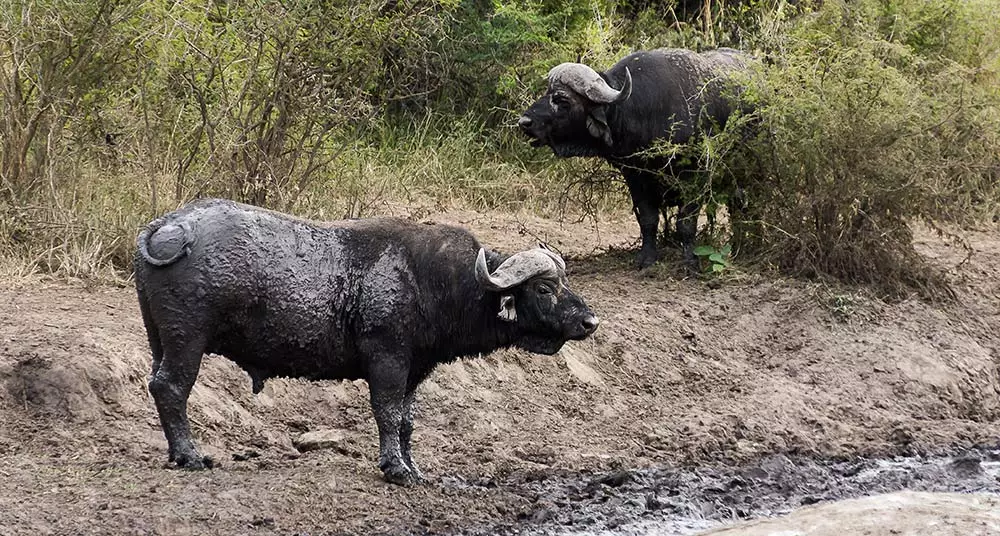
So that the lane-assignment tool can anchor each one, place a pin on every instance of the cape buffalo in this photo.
(663, 94)
(381, 299)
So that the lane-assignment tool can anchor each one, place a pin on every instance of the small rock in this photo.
(267, 522)
(541, 515)
(901, 436)
(298, 425)
(615, 479)
(777, 465)
(966, 467)
(737, 483)
(716, 488)
(581, 370)
(246, 455)
(755, 473)
(320, 439)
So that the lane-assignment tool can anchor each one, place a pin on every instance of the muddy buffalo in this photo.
(381, 299)
(663, 94)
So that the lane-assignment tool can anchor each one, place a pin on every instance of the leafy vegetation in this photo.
(715, 260)
(866, 116)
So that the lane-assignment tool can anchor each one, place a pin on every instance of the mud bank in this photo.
(709, 381)
(687, 501)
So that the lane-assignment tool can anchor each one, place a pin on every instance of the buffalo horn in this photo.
(585, 81)
(555, 256)
(517, 269)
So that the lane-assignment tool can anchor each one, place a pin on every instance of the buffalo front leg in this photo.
(646, 196)
(406, 434)
(387, 380)
(170, 384)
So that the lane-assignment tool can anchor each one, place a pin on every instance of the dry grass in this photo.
(84, 227)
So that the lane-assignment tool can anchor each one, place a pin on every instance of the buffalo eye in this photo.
(544, 289)
(559, 100)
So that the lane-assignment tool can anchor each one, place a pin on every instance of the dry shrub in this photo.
(862, 128)
(869, 115)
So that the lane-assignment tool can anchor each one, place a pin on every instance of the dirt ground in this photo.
(682, 374)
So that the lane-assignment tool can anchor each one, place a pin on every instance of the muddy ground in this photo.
(695, 403)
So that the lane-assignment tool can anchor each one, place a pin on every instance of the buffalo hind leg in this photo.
(152, 334)
(406, 433)
(687, 230)
(737, 207)
(387, 379)
(170, 384)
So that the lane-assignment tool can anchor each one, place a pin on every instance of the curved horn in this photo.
(517, 269)
(555, 256)
(626, 91)
(585, 81)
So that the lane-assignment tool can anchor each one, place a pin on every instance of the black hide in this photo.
(381, 299)
(675, 95)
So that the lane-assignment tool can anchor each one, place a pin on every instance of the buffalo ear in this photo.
(597, 125)
(507, 311)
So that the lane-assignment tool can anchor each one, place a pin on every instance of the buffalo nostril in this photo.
(590, 323)
(524, 121)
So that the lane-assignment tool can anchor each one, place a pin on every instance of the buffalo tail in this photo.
(143, 243)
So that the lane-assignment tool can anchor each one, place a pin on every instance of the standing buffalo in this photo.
(381, 299)
(664, 94)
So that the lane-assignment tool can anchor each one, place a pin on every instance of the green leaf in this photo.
(716, 268)
(717, 258)
(701, 251)
(727, 249)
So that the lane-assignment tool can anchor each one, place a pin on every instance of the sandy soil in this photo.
(681, 373)
(903, 513)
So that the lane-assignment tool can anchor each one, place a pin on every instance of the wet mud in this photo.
(682, 501)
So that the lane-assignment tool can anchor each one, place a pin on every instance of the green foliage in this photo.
(715, 260)
(868, 115)
(504, 50)
(868, 126)
(54, 58)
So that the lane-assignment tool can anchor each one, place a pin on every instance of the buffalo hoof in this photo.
(195, 462)
(691, 263)
(401, 475)
(646, 258)
(418, 477)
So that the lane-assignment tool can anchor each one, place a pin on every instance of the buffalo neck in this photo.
(470, 324)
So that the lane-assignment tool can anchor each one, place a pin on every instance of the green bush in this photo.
(871, 116)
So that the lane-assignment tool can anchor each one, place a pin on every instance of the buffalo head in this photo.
(535, 298)
(571, 117)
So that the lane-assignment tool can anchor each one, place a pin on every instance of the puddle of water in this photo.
(679, 502)
(646, 528)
